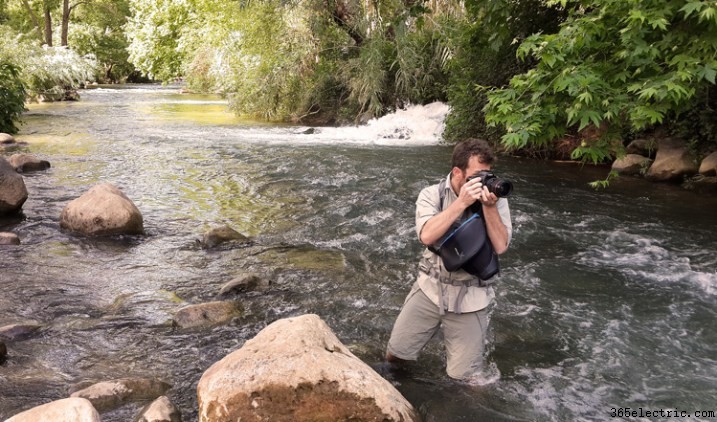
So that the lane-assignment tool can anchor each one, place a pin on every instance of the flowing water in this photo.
(607, 300)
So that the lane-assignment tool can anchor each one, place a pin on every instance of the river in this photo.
(607, 300)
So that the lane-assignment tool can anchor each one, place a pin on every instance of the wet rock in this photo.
(631, 165)
(245, 282)
(108, 395)
(19, 331)
(219, 235)
(6, 138)
(297, 370)
(26, 163)
(103, 210)
(65, 410)
(204, 314)
(3, 352)
(160, 410)
(309, 131)
(673, 162)
(7, 238)
(13, 192)
(708, 167)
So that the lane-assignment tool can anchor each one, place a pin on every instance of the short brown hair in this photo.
(464, 150)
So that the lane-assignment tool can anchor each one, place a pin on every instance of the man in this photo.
(457, 301)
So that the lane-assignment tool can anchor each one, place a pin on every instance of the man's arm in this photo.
(439, 224)
(497, 232)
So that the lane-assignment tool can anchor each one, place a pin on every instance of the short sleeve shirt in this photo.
(476, 298)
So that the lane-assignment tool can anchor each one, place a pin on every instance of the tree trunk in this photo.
(65, 21)
(48, 26)
(34, 18)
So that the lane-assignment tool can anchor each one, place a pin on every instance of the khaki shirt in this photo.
(476, 298)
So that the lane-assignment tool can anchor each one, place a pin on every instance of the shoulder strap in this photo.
(441, 193)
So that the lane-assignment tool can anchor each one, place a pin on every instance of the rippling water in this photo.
(607, 300)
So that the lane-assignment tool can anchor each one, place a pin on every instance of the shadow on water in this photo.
(605, 300)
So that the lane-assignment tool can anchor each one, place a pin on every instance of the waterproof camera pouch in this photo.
(468, 247)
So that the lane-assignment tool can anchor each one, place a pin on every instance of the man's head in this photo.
(471, 147)
(470, 157)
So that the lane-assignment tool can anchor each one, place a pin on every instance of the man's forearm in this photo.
(497, 232)
(439, 224)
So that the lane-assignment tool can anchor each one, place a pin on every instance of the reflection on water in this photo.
(605, 300)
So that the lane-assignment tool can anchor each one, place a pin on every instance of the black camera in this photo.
(500, 187)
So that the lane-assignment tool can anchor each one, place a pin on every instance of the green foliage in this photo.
(613, 65)
(485, 55)
(12, 96)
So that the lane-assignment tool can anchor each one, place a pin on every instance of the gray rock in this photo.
(296, 369)
(13, 192)
(65, 410)
(160, 410)
(708, 167)
(19, 331)
(26, 163)
(205, 314)
(108, 395)
(103, 210)
(219, 235)
(631, 165)
(7, 238)
(245, 282)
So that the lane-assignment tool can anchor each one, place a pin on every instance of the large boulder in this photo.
(297, 370)
(25, 163)
(673, 162)
(708, 167)
(642, 146)
(65, 410)
(631, 165)
(103, 210)
(108, 395)
(13, 192)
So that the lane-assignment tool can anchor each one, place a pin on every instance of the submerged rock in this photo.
(65, 410)
(160, 410)
(19, 331)
(108, 395)
(245, 282)
(13, 192)
(219, 235)
(6, 138)
(297, 370)
(7, 238)
(26, 163)
(210, 313)
(3, 352)
(103, 210)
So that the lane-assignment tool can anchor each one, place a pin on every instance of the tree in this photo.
(614, 65)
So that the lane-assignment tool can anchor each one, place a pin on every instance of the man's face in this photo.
(474, 166)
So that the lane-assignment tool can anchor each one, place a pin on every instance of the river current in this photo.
(607, 300)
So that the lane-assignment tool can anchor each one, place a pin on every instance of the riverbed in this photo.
(606, 300)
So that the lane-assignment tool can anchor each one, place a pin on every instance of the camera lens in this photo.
(501, 187)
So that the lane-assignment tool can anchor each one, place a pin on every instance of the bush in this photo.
(12, 97)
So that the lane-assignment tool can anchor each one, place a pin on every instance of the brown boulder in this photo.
(296, 369)
(672, 163)
(13, 192)
(204, 314)
(108, 395)
(7, 238)
(219, 235)
(708, 167)
(631, 165)
(65, 410)
(160, 410)
(103, 210)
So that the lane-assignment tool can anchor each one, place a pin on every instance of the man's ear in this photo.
(456, 173)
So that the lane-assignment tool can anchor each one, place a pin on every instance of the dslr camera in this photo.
(500, 187)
